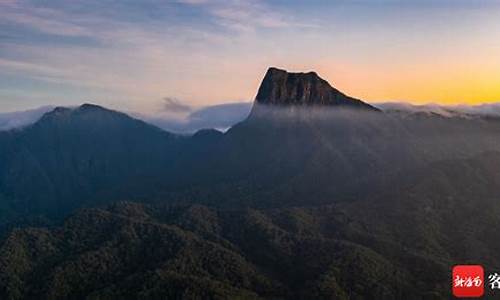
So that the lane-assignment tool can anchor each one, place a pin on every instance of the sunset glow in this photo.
(131, 56)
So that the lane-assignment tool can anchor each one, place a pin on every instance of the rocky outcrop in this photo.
(281, 88)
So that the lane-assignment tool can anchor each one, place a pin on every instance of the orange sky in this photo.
(203, 53)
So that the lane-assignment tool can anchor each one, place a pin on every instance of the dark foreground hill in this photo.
(391, 248)
(71, 156)
(316, 194)
(130, 250)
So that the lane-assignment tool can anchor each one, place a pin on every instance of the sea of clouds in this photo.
(185, 119)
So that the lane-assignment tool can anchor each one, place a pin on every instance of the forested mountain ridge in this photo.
(71, 155)
(385, 247)
(315, 194)
(131, 250)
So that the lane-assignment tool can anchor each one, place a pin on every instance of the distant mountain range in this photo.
(223, 116)
(315, 194)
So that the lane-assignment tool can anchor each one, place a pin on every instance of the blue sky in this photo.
(131, 55)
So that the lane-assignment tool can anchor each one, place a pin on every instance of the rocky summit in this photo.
(306, 204)
(281, 88)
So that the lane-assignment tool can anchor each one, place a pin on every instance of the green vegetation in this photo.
(287, 204)
(131, 250)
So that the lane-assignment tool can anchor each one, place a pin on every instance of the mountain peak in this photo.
(276, 72)
(61, 112)
(280, 87)
(89, 107)
(57, 113)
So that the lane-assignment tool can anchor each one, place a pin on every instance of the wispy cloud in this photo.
(192, 2)
(220, 117)
(174, 105)
(49, 21)
(247, 16)
(137, 61)
(19, 119)
(487, 109)
(132, 53)
(28, 67)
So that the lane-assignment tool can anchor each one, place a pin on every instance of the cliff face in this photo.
(282, 88)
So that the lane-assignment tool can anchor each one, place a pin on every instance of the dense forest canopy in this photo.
(315, 194)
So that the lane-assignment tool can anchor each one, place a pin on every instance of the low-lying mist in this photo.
(390, 135)
(224, 116)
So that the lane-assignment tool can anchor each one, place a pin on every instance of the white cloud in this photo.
(488, 109)
(21, 118)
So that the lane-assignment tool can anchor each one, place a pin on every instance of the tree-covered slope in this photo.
(135, 251)
(72, 157)
(303, 199)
